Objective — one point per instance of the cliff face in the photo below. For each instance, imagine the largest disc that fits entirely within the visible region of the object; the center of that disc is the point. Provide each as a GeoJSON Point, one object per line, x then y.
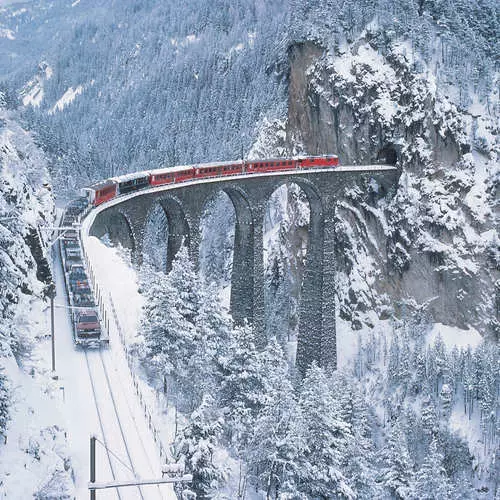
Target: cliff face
{"type": "Point", "coordinates": [434, 242]}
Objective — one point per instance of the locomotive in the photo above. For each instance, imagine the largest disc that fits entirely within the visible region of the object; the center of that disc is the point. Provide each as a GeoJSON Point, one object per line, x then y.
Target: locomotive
{"type": "Point", "coordinates": [115, 186]}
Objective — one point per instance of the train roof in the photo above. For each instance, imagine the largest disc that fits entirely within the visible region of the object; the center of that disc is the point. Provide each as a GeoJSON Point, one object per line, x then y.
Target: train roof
{"type": "Point", "coordinates": [130, 177]}
{"type": "Point", "coordinates": [100, 185]}
{"type": "Point", "coordinates": [180, 168]}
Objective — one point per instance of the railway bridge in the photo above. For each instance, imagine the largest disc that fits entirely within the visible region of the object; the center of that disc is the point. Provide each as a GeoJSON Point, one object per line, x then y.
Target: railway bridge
{"type": "Point", "coordinates": [125, 219]}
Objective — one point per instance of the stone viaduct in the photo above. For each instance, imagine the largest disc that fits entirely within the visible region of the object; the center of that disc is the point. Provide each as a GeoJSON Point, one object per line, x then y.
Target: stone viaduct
{"type": "Point", "coordinates": [125, 221]}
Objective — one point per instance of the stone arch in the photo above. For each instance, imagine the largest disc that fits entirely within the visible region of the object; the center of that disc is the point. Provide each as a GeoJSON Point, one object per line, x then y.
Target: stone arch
{"type": "Point", "coordinates": [178, 227]}
{"type": "Point", "coordinates": [117, 226]}
{"type": "Point", "coordinates": [120, 230]}
{"type": "Point", "coordinates": [155, 237]}
{"type": "Point", "coordinates": [241, 301]}
{"type": "Point", "coordinates": [311, 304]}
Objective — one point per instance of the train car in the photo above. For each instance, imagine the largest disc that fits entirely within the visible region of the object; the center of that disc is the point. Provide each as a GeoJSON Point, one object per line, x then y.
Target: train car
{"type": "Point", "coordinates": [232, 168]}
{"type": "Point", "coordinates": [101, 192]}
{"type": "Point", "coordinates": [219, 169]}
{"type": "Point", "coordinates": [171, 175]}
{"type": "Point", "coordinates": [205, 170]}
{"type": "Point", "coordinates": [132, 182]}
{"type": "Point", "coordinates": [87, 325]}
{"type": "Point", "coordinates": [317, 161]}
{"type": "Point", "coordinates": [269, 165]}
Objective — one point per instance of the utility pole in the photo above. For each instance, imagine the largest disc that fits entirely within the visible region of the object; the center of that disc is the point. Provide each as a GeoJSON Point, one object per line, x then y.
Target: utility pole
{"type": "Point", "coordinates": [51, 293]}
{"type": "Point", "coordinates": [174, 473]}
{"type": "Point", "coordinates": [92, 465]}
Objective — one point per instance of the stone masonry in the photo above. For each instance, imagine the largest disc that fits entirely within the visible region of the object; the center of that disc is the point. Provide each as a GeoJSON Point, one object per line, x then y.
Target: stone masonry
{"type": "Point", "coordinates": [184, 206]}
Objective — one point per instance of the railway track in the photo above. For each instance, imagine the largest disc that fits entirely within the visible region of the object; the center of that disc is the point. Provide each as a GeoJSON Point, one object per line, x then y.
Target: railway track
{"type": "Point", "coordinates": [114, 437]}
{"type": "Point", "coordinates": [126, 451]}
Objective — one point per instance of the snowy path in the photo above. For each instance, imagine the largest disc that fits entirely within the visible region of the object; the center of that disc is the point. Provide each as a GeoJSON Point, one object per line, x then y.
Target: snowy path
{"type": "Point", "coordinates": [112, 413]}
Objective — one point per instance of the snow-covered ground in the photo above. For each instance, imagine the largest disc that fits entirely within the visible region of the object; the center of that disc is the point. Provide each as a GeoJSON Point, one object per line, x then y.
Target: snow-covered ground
{"type": "Point", "coordinates": [142, 416]}
{"type": "Point", "coordinates": [113, 415]}
{"type": "Point", "coordinates": [67, 98]}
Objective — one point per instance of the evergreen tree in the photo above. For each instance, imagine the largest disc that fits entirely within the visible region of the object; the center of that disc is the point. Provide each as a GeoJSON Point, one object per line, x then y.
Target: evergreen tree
{"type": "Point", "coordinates": [359, 460]}
{"type": "Point", "coordinates": [321, 467]}
{"type": "Point", "coordinates": [397, 470]}
{"type": "Point", "coordinates": [169, 316]}
{"type": "Point", "coordinates": [196, 446]}
{"type": "Point", "coordinates": [241, 386]}
{"type": "Point", "coordinates": [274, 446]}
{"type": "Point", "coordinates": [445, 401]}
{"type": "Point", "coordinates": [432, 482]}
{"type": "Point", "coordinates": [5, 402]}
{"type": "Point", "coordinates": [212, 334]}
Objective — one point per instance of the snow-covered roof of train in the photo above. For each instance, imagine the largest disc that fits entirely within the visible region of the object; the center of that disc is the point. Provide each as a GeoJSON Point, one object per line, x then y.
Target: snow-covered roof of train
{"type": "Point", "coordinates": [130, 177]}
{"type": "Point", "coordinates": [180, 168]}
{"type": "Point", "coordinates": [99, 185]}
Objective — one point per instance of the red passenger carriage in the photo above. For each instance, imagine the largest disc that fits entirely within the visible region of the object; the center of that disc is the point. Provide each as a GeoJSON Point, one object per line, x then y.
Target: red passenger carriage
{"type": "Point", "coordinates": [107, 190]}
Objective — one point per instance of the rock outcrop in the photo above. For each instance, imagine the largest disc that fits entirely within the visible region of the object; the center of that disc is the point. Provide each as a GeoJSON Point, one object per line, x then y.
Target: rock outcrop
{"type": "Point", "coordinates": [434, 242]}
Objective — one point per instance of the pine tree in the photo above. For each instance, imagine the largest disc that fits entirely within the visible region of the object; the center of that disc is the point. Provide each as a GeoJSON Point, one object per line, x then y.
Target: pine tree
{"type": "Point", "coordinates": [274, 446]}
{"type": "Point", "coordinates": [429, 417]}
{"type": "Point", "coordinates": [397, 471]}
{"type": "Point", "coordinates": [169, 316]}
{"type": "Point", "coordinates": [432, 483]}
{"type": "Point", "coordinates": [360, 459]}
{"type": "Point", "coordinates": [393, 366]}
{"type": "Point", "coordinates": [196, 447]}
{"type": "Point", "coordinates": [445, 401]}
{"type": "Point", "coordinates": [212, 334]}
{"type": "Point", "coordinates": [241, 383]}
{"type": "Point", "coordinates": [328, 437]}
{"type": "Point", "coordinates": [5, 402]}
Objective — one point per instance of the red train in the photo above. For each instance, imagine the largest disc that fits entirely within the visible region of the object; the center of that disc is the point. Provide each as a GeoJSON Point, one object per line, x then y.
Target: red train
{"type": "Point", "coordinates": [110, 188]}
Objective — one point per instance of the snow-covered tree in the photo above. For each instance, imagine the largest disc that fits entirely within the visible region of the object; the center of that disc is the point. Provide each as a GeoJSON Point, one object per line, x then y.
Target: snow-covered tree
{"type": "Point", "coordinates": [431, 482]}
{"type": "Point", "coordinates": [241, 386]}
{"type": "Point", "coordinates": [5, 402]}
{"type": "Point", "coordinates": [321, 468]}
{"type": "Point", "coordinates": [196, 446]}
{"type": "Point", "coordinates": [274, 446]}
{"type": "Point", "coordinates": [213, 329]}
{"type": "Point", "coordinates": [397, 470]}
{"type": "Point", "coordinates": [169, 316]}
{"type": "Point", "coordinates": [360, 455]}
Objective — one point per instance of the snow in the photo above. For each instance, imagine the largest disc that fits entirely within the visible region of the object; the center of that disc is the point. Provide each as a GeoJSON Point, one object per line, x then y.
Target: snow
{"type": "Point", "coordinates": [67, 98]}
{"type": "Point", "coordinates": [7, 33]}
{"type": "Point", "coordinates": [119, 280]}
{"type": "Point", "coordinates": [33, 96]}
{"type": "Point", "coordinates": [33, 91]}
{"type": "Point", "coordinates": [36, 422]}
{"type": "Point", "coordinates": [453, 336]}
{"type": "Point", "coordinates": [188, 40]}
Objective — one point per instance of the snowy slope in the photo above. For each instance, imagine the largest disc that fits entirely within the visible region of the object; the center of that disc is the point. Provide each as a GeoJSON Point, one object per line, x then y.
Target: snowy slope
{"type": "Point", "coordinates": [35, 456]}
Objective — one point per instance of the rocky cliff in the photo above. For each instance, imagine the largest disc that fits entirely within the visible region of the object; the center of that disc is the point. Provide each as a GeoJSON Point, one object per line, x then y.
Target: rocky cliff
{"type": "Point", "coordinates": [433, 243]}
